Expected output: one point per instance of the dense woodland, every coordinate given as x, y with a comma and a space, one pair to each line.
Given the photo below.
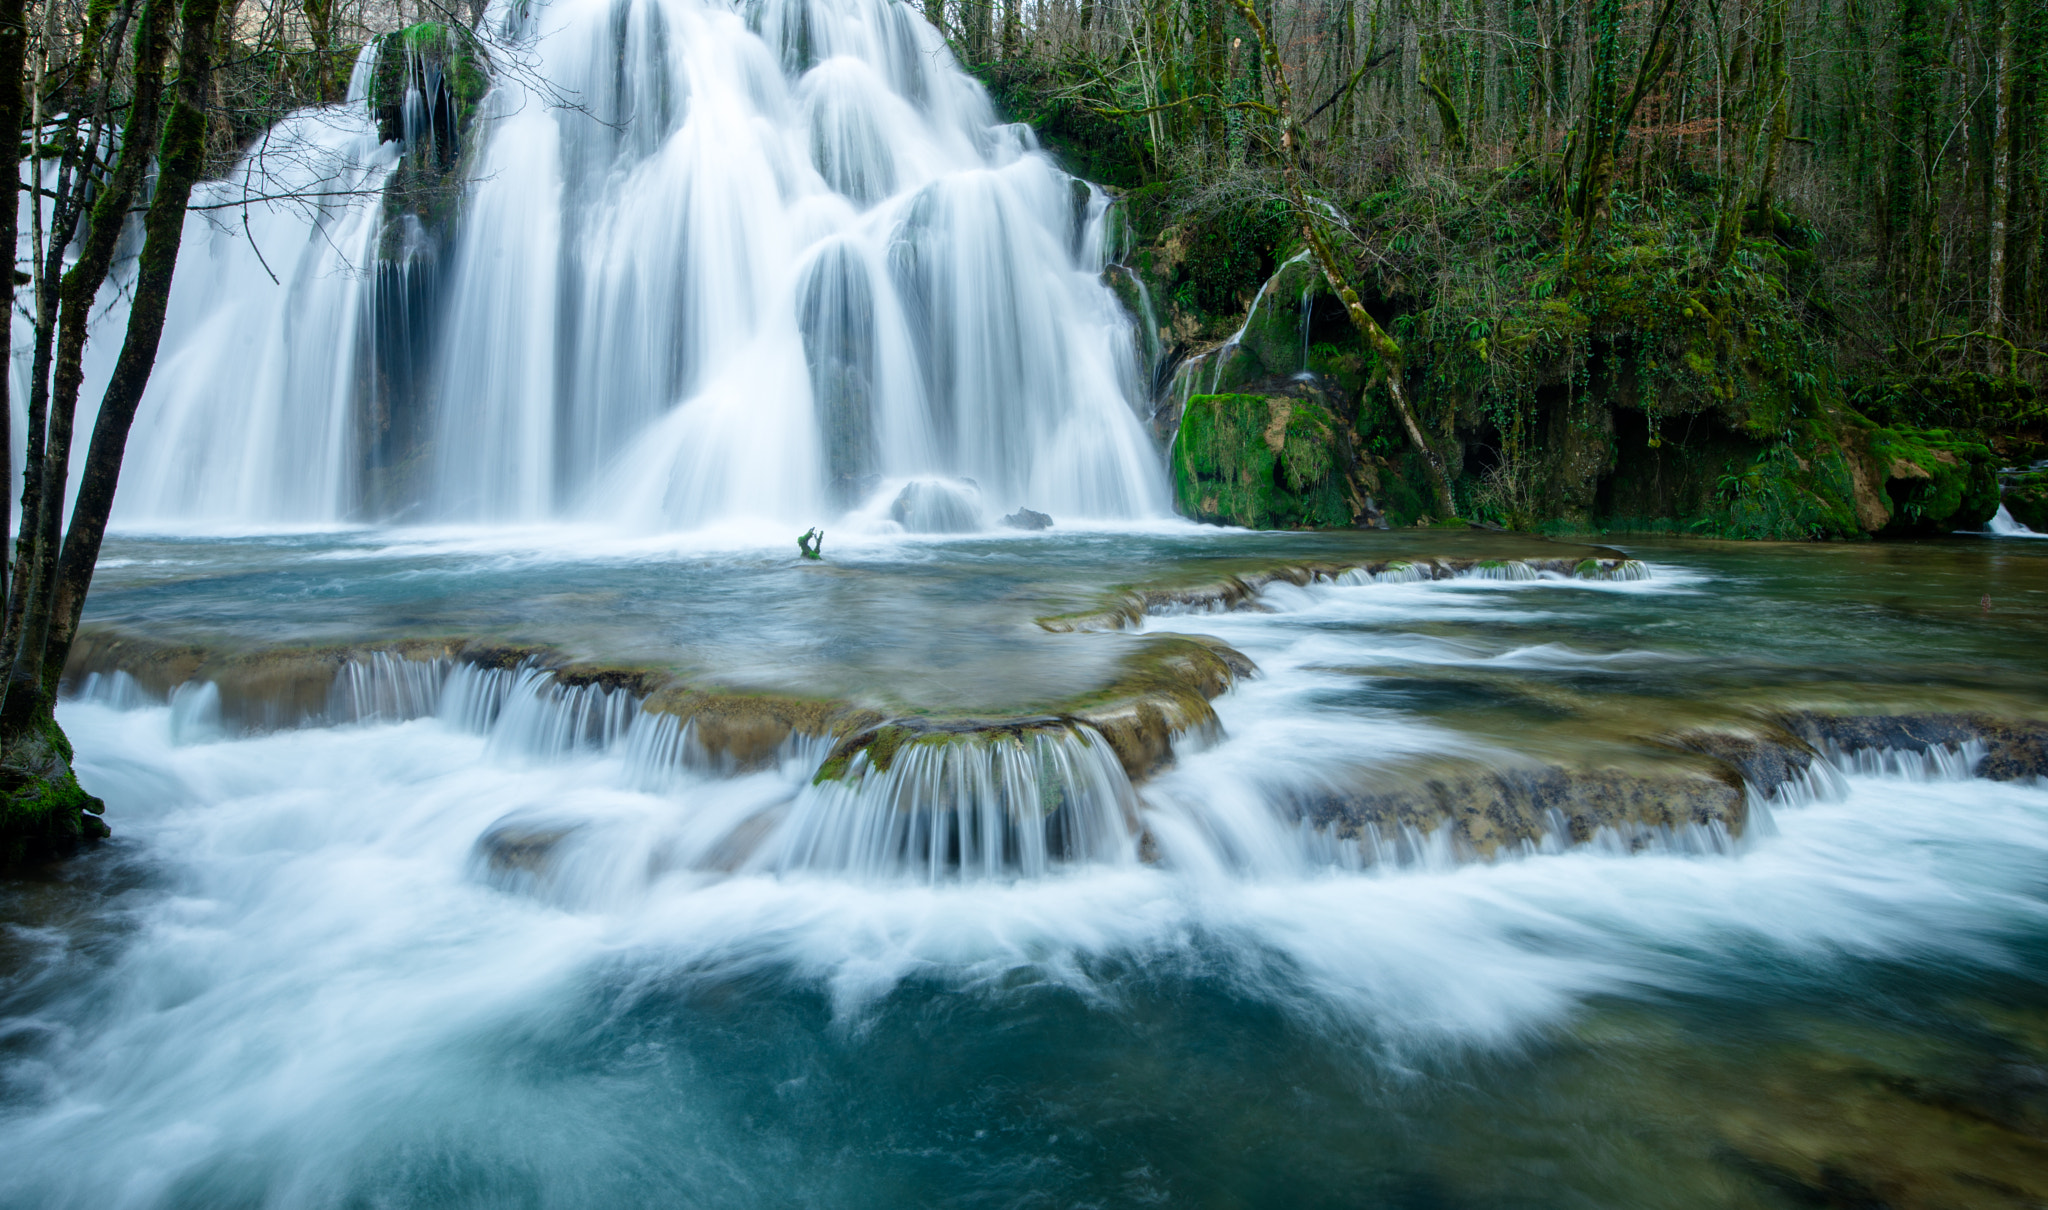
1758, 268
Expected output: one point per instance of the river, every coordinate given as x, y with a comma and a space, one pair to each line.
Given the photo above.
296, 977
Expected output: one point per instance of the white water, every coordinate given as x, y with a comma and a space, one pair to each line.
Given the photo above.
722, 265
326, 955
334, 950
2003, 525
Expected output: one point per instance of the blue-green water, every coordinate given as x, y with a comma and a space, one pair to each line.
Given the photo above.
291, 982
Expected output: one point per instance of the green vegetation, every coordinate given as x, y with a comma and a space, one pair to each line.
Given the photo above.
1264, 462
1733, 270
2026, 498
446, 64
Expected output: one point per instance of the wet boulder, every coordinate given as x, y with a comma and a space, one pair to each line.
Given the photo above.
2012, 749
933, 506
1266, 461
1934, 482
1025, 518
2025, 496
425, 89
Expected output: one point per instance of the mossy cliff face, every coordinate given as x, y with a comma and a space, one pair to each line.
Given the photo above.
1634, 386
1704, 436
1262, 461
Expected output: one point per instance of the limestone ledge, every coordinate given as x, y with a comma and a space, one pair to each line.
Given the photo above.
1695, 785
1128, 606
1699, 782
1161, 690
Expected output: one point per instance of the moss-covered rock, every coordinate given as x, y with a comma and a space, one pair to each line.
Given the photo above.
44, 812
1935, 481
2025, 496
1792, 491
425, 95
445, 67
1261, 461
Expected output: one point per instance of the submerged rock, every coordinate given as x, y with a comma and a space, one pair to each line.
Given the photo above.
1025, 518
1235, 592
512, 848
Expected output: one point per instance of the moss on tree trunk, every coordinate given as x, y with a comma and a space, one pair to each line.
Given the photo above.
44, 812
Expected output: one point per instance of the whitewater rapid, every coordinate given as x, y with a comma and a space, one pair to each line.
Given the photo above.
310, 972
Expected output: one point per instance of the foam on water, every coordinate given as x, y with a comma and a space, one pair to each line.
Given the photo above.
337, 932
2004, 525
322, 950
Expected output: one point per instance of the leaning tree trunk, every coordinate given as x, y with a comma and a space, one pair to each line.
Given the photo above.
1376, 338
27, 701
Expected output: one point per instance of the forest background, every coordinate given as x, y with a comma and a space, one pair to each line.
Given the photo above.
1748, 268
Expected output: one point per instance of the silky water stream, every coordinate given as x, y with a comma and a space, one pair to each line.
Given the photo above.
297, 978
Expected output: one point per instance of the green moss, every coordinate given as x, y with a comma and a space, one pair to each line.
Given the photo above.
881, 746
1263, 462
1936, 480
43, 809
2026, 498
1232, 250
1788, 495
1968, 400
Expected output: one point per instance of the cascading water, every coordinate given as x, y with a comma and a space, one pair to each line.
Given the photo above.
687, 265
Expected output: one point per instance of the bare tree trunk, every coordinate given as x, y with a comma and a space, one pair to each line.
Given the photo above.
26, 700
1736, 104
1780, 98
1608, 116
320, 31
181, 157
13, 66
2001, 156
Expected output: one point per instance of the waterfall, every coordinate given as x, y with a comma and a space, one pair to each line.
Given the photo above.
692, 264
979, 805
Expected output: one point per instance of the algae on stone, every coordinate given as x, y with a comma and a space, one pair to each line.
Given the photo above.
2025, 496
1259, 461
